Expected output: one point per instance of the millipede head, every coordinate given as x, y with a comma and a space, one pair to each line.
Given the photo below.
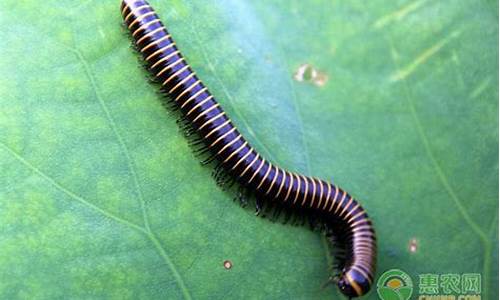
353, 284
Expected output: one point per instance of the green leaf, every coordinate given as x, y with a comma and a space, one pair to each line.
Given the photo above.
101, 196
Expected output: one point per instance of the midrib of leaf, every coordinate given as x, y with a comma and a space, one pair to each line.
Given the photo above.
66, 191
148, 231
116, 132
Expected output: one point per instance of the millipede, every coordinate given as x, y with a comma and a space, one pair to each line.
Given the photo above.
285, 194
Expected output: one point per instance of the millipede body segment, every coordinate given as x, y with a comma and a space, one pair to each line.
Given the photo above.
340, 216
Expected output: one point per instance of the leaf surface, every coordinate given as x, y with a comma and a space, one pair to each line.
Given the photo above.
101, 196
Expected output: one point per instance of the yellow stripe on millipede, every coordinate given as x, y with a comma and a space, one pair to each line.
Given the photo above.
170, 66
143, 26
222, 137
229, 144
160, 50
242, 159
170, 55
177, 73
361, 212
354, 285
207, 111
235, 152
217, 128
125, 6
199, 92
182, 82
140, 18
152, 43
362, 272
334, 199
298, 188
340, 202
250, 165
346, 207
135, 10
265, 176
306, 191
350, 211
257, 170
314, 192
357, 226
276, 171
289, 187
187, 90
321, 187
281, 184
328, 194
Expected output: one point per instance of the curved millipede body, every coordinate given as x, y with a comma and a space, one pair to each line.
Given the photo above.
333, 210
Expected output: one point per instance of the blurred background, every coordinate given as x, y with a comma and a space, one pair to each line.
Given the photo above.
101, 197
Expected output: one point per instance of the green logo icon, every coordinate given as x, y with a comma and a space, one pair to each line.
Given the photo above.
394, 285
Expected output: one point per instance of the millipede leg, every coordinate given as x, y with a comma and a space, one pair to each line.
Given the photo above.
277, 212
201, 151
196, 142
288, 216
244, 195
228, 183
331, 280
222, 178
208, 160
258, 206
231, 182
216, 170
189, 131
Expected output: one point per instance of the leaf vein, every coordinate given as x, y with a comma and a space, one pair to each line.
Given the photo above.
443, 178
147, 231
117, 134
71, 194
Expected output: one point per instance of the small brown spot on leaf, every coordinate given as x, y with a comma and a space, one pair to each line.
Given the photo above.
228, 264
307, 73
413, 245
